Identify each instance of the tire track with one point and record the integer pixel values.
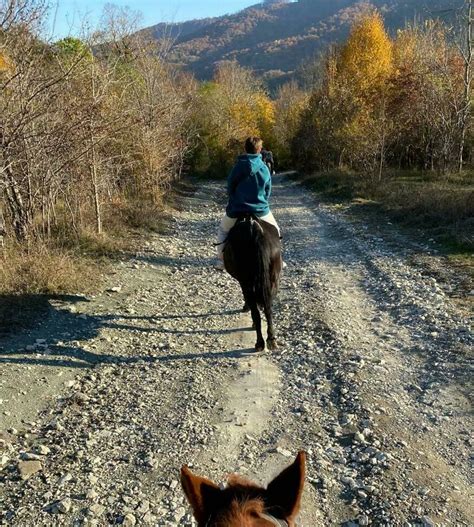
(370, 380)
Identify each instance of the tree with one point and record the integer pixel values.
(30, 128)
(83, 132)
(366, 59)
(230, 108)
(346, 123)
(467, 55)
(290, 103)
(426, 98)
(364, 67)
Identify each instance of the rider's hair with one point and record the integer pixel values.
(252, 144)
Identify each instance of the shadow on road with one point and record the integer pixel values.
(32, 316)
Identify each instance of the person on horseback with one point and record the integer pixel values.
(249, 187)
(267, 156)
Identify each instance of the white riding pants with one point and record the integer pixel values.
(227, 224)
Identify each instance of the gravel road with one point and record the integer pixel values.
(104, 400)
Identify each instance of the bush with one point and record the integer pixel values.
(42, 270)
(137, 214)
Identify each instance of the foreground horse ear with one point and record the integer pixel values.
(285, 491)
(203, 495)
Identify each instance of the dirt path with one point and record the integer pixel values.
(115, 392)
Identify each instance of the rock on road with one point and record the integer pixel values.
(103, 402)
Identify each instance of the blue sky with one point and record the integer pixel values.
(67, 15)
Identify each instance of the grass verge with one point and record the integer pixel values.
(74, 261)
(46, 270)
(442, 208)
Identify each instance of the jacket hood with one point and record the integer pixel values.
(252, 161)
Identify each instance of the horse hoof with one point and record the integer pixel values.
(246, 308)
(272, 344)
(260, 347)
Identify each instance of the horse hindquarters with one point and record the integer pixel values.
(240, 258)
(249, 257)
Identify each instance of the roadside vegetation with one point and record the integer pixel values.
(388, 119)
(95, 131)
(441, 209)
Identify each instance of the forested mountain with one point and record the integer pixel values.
(275, 37)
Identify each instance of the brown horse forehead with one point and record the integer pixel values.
(243, 513)
(244, 521)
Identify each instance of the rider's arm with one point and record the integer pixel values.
(268, 183)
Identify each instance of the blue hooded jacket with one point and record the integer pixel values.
(249, 186)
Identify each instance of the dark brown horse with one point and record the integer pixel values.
(252, 255)
(243, 504)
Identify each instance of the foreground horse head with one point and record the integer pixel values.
(243, 504)
(252, 255)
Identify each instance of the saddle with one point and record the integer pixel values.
(248, 216)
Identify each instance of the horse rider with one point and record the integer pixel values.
(248, 186)
(267, 156)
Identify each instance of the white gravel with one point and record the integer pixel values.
(371, 379)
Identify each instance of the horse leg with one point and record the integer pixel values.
(251, 301)
(246, 307)
(257, 320)
(271, 340)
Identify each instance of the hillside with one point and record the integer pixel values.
(274, 38)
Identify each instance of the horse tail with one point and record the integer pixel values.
(262, 280)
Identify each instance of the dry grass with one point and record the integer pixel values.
(99, 246)
(137, 214)
(443, 207)
(446, 210)
(44, 270)
(72, 262)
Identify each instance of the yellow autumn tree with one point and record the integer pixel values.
(366, 59)
(231, 108)
(346, 122)
(5, 64)
(379, 101)
(290, 103)
(242, 118)
(265, 114)
(364, 68)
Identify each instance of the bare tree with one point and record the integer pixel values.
(14, 13)
(87, 126)
(467, 54)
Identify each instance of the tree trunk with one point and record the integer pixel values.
(466, 111)
(382, 143)
(93, 163)
(95, 189)
(19, 213)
